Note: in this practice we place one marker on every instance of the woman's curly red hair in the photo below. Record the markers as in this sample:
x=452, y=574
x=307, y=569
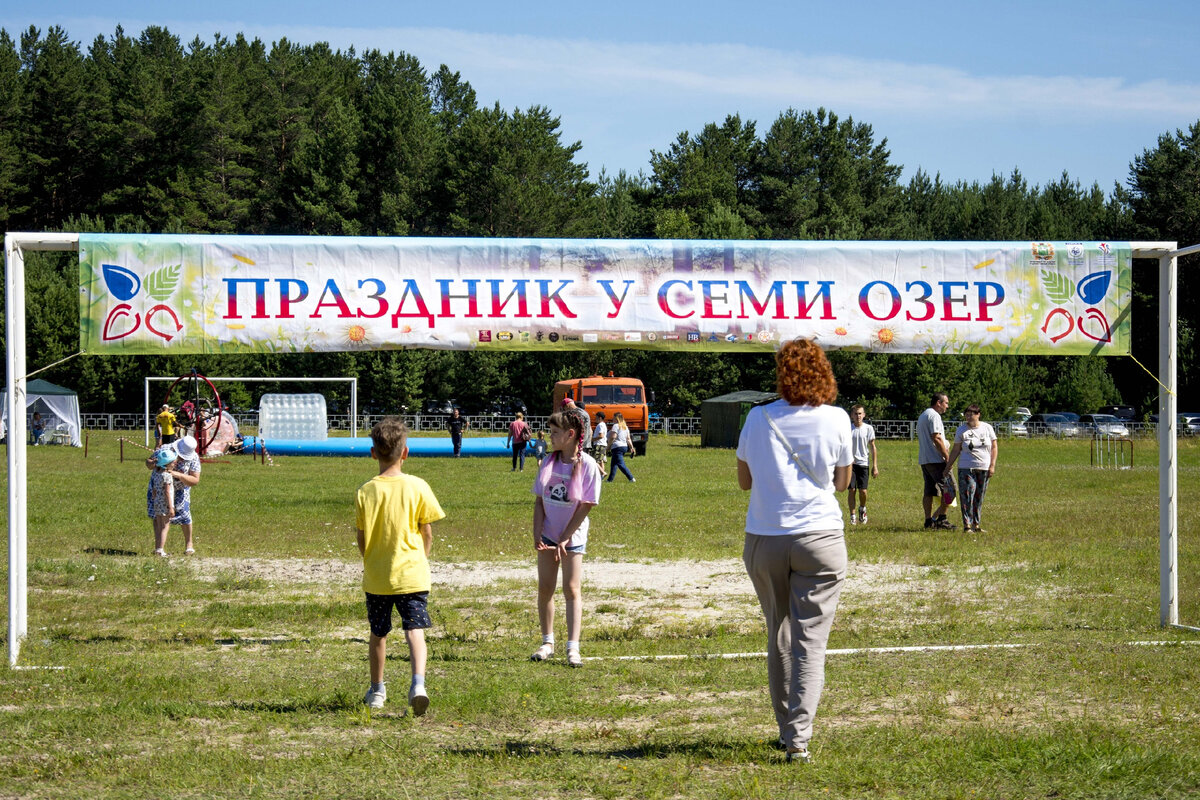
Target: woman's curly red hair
x=803, y=375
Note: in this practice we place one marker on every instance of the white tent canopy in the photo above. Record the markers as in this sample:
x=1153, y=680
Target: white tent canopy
x=58, y=405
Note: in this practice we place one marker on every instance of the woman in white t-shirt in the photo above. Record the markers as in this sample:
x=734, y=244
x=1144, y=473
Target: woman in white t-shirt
x=794, y=455
x=976, y=441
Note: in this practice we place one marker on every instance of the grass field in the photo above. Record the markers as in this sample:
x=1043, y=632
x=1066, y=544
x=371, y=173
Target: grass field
x=239, y=672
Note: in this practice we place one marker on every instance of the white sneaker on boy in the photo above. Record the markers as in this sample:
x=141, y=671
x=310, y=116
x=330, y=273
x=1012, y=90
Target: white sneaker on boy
x=419, y=700
x=375, y=699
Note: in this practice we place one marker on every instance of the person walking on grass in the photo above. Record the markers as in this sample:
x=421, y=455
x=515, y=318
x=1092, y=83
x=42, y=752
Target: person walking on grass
x=866, y=462
x=455, y=424
x=567, y=488
x=519, y=434
x=931, y=455
x=394, y=515
x=794, y=456
x=619, y=446
x=977, y=443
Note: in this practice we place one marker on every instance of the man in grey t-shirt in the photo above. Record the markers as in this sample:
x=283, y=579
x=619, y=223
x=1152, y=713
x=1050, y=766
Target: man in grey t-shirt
x=931, y=455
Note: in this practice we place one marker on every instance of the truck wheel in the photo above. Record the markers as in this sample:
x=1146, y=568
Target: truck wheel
x=640, y=447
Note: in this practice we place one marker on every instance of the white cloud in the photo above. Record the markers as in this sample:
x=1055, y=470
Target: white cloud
x=675, y=73
x=672, y=72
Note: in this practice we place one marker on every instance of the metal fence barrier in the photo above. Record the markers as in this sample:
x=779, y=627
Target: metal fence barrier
x=674, y=426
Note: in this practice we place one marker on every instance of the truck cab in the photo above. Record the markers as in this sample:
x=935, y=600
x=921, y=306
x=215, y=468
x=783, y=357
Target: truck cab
x=610, y=395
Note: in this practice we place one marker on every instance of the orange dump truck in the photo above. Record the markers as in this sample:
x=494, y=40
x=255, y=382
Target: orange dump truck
x=610, y=395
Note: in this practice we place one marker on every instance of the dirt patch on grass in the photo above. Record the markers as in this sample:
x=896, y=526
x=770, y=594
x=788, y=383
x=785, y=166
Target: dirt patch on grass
x=710, y=578
x=651, y=599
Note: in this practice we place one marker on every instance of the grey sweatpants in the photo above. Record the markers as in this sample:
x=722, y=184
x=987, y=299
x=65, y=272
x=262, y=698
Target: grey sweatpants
x=798, y=580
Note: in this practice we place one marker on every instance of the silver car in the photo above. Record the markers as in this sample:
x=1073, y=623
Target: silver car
x=1103, y=425
x=1188, y=425
x=1055, y=425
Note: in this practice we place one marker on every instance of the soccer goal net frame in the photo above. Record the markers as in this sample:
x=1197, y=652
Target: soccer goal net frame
x=17, y=244
x=147, y=407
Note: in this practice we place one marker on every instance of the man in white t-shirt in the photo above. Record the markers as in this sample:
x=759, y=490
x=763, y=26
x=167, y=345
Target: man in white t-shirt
x=931, y=455
x=866, y=462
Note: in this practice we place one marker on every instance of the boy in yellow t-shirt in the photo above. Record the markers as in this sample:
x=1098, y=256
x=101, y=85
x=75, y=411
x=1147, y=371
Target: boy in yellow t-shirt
x=394, y=513
x=166, y=425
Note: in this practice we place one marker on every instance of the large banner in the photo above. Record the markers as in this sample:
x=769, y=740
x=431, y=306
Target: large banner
x=231, y=294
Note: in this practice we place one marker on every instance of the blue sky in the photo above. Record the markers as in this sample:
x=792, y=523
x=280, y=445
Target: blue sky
x=965, y=89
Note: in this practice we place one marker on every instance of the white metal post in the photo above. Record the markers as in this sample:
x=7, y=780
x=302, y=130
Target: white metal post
x=18, y=519
x=146, y=408
x=1168, y=518
x=14, y=312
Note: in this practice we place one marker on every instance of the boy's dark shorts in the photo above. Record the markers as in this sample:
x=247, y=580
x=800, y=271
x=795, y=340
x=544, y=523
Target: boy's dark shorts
x=859, y=473
x=414, y=613
x=933, y=478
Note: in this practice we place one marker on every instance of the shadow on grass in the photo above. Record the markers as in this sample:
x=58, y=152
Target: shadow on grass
x=109, y=551
x=66, y=637
x=320, y=704
x=513, y=749
x=701, y=747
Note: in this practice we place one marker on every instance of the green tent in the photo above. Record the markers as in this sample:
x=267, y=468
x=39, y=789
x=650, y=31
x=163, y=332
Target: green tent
x=721, y=418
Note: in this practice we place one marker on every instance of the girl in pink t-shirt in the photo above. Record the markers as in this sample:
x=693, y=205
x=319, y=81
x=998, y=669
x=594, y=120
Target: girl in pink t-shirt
x=567, y=486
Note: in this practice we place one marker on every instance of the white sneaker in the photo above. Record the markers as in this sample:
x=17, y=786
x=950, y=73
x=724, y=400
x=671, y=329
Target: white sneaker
x=160, y=552
x=374, y=699
x=853, y=518
x=574, y=659
x=542, y=653
x=862, y=515
x=419, y=700
x=798, y=756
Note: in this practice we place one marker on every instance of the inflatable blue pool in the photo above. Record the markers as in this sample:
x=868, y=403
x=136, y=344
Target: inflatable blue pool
x=418, y=446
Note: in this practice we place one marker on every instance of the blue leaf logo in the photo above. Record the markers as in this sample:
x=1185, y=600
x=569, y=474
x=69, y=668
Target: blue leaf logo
x=123, y=283
x=1093, y=287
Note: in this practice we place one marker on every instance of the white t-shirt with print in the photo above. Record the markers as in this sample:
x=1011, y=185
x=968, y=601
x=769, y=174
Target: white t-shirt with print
x=976, y=445
x=557, y=503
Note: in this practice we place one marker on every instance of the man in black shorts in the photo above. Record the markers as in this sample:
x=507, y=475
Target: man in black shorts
x=932, y=455
x=866, y=462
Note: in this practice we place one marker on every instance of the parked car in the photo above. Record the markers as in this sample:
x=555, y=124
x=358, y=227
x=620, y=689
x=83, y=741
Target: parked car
x=1013, y=425
x=1055, y=425
x=441, y=407
x=1070, y=415
x=1105, y=424
x=1124, y=413
x=1188, y=425
x=505, y=406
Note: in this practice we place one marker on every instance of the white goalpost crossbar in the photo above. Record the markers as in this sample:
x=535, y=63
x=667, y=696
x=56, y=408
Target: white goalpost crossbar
x=352, y=381
x=17, y=244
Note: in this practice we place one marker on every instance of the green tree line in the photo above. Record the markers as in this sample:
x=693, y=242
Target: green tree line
x=148, y=134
